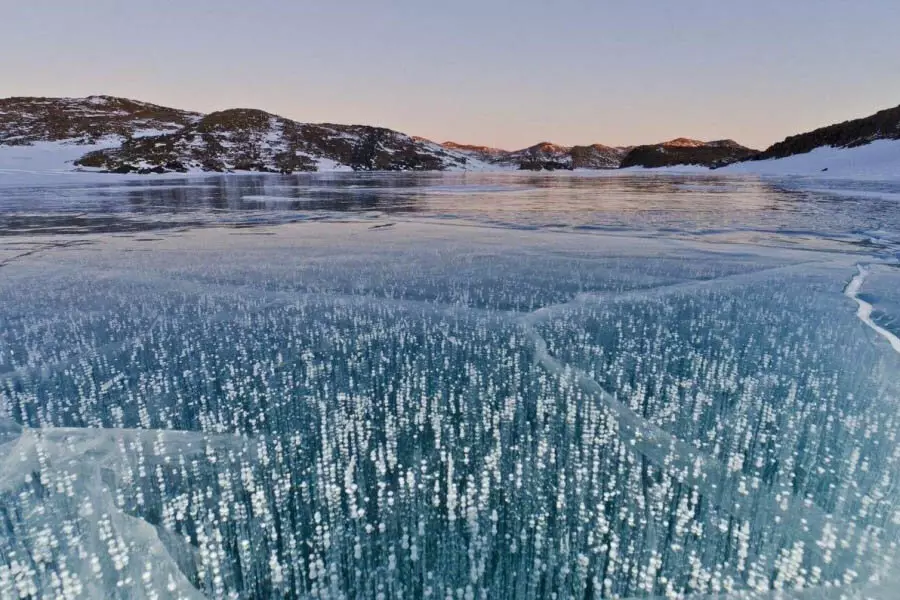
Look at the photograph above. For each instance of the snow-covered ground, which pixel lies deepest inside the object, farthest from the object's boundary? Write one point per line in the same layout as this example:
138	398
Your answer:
48	156
879	159
326	164
58	156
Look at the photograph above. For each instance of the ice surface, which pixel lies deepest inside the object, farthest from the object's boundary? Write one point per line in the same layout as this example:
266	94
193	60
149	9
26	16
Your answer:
50	158
422	403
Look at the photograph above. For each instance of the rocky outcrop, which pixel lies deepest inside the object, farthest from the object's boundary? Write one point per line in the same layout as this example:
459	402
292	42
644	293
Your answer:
685	151
884	124
482	153
543	156
25	121
546	156
597	156
253	140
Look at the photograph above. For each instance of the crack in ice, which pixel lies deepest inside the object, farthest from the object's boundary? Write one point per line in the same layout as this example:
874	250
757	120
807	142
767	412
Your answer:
864	310
683	461
88	452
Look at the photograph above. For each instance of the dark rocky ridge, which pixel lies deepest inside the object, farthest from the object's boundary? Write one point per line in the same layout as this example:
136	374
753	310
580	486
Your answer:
684	151
141	137
597	156
543	156
884	124
547	156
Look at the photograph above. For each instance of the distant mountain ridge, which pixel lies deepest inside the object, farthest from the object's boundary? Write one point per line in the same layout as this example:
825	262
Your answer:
119	135
546	156
110	134
685	151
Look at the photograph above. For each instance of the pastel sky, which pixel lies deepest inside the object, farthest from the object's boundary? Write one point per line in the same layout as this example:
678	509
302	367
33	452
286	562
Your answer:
495	72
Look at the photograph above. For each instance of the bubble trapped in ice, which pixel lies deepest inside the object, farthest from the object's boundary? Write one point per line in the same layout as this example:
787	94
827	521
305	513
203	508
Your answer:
293	417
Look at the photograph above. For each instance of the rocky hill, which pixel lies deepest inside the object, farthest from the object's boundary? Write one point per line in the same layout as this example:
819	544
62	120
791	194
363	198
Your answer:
253	140
110	134
597	156
542	156
884	124
88	121
685	151
546	156
127	136
482	153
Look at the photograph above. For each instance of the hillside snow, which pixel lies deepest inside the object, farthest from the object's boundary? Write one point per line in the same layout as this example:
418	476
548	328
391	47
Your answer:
879	159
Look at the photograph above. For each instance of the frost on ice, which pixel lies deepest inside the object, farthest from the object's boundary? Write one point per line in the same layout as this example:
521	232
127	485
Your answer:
296	418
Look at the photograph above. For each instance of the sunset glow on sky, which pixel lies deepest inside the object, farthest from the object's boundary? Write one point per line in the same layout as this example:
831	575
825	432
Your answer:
499	73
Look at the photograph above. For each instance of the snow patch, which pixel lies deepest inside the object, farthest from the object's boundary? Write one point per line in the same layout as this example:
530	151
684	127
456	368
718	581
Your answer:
879	159
48	156
327	164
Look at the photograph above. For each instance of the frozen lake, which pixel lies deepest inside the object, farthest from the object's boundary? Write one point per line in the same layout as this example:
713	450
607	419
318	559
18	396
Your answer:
452	386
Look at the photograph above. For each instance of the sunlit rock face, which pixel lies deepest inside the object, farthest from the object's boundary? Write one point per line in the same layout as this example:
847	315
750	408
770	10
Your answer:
684	151
334	411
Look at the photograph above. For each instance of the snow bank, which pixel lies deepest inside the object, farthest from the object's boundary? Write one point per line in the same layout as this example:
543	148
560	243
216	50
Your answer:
879	159
326	164
58	156
48	156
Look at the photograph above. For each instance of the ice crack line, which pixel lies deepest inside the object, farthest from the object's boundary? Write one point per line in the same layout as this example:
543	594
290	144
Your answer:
729	491
42	248
592	298
864	312
97	454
